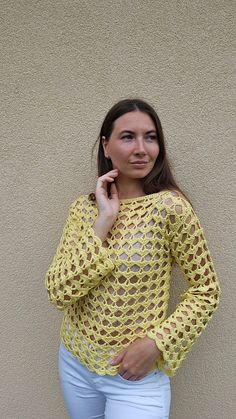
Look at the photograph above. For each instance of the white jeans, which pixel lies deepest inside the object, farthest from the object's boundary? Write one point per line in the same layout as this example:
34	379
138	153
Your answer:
88	395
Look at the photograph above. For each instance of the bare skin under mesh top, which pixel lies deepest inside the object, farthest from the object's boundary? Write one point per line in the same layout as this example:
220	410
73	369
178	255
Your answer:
114	292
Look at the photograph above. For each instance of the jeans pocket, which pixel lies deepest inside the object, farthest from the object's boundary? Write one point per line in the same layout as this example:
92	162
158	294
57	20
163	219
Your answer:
148	375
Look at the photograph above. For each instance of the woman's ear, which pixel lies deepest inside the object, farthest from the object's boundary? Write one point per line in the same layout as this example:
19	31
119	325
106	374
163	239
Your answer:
104	144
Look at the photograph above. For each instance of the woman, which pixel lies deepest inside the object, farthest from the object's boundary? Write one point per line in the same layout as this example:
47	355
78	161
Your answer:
111	276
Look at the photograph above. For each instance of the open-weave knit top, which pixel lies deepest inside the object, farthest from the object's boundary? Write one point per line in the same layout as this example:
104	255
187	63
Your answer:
113	292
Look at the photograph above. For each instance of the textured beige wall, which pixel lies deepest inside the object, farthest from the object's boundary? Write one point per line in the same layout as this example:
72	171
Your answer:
63	64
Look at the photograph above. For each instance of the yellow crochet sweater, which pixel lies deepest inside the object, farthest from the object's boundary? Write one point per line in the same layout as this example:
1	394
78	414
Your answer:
114	292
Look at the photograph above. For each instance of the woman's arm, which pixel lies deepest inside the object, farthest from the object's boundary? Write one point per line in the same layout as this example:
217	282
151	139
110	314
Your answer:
176	335
80	261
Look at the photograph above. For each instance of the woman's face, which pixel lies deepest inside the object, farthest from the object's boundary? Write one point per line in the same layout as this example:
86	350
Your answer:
133	146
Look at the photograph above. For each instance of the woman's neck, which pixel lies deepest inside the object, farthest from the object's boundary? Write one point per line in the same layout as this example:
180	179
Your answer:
128	189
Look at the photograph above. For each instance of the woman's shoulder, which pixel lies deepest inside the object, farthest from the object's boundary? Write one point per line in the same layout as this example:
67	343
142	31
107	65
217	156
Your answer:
83	201
175	202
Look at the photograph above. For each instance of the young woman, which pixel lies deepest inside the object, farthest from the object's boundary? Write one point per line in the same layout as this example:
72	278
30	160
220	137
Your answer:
111	276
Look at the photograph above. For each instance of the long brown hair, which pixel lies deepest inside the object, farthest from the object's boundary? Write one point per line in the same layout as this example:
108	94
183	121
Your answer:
160	177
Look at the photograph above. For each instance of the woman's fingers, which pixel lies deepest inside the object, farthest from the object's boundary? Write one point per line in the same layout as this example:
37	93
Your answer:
119	357
108	177
107	195
108	206
114	192
136	360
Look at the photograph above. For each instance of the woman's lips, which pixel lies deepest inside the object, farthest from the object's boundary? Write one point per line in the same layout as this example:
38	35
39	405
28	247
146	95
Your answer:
139	164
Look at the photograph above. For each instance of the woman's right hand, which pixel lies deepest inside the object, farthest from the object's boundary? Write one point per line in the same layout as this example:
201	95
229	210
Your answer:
108	207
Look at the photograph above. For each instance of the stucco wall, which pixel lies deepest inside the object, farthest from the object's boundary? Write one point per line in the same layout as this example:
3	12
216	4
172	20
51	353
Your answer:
63	64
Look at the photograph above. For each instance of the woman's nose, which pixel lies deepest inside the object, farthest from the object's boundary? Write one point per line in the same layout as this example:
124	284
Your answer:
140	147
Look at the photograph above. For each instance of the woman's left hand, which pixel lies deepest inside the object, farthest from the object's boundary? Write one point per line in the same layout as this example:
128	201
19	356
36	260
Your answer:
137	359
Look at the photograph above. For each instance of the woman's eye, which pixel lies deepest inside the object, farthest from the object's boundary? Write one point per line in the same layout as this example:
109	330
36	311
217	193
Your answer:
152	137
127	137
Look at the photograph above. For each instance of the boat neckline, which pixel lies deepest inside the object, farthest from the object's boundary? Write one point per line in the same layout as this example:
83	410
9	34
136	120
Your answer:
144	197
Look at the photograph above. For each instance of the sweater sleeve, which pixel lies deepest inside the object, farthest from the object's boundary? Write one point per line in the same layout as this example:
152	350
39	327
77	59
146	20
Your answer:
176	335
80	261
